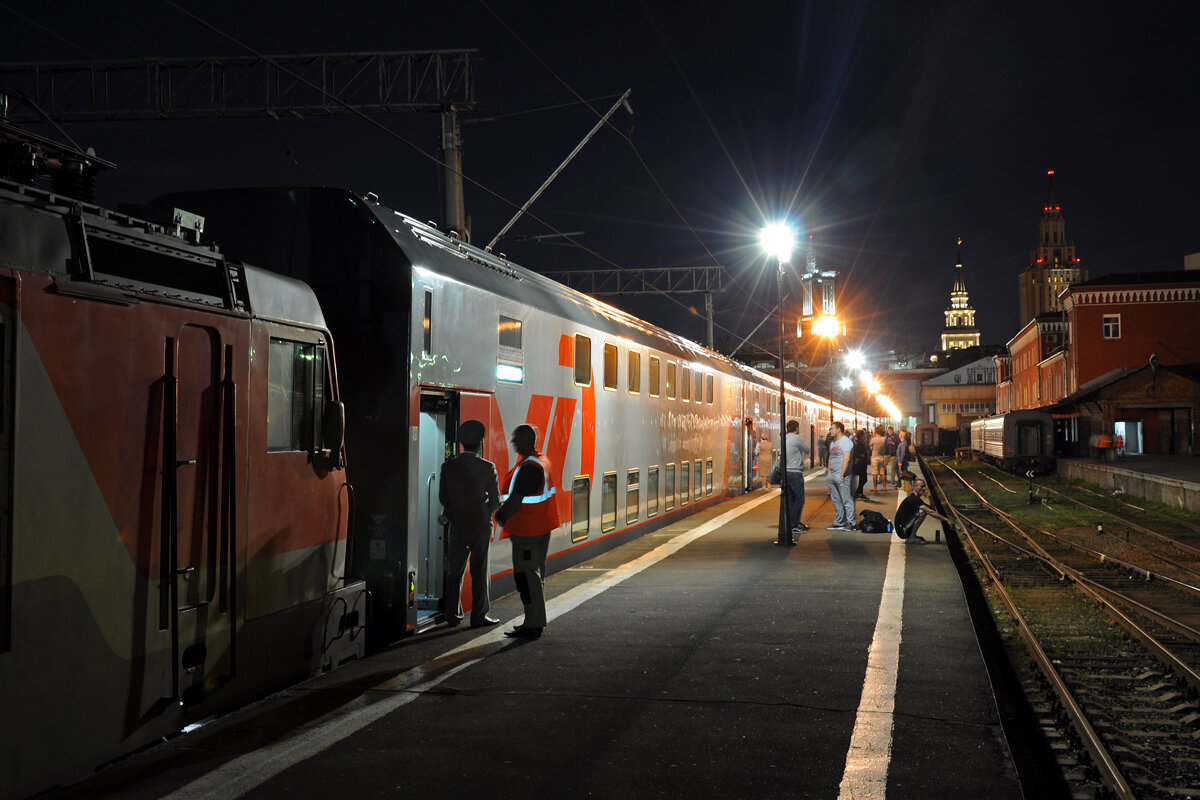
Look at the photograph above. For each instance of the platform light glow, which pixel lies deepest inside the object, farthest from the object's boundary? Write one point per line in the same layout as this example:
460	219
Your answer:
826	325
778	240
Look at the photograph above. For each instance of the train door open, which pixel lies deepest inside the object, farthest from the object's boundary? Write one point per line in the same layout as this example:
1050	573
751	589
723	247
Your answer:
439	419
198	563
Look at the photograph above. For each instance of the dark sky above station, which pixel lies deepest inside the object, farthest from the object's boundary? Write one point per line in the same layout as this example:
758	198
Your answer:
887	130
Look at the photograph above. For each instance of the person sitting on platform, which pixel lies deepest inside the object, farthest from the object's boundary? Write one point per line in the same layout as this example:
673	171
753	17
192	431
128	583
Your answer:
912	513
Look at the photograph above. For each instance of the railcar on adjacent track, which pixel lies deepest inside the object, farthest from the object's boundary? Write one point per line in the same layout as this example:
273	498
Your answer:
1018	440
173	511
641	425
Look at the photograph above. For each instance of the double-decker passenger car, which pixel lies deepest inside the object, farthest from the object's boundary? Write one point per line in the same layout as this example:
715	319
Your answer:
641	425
173	509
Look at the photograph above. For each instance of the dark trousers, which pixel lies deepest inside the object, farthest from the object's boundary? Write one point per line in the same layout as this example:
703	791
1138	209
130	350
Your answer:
464	545
795	485
529	572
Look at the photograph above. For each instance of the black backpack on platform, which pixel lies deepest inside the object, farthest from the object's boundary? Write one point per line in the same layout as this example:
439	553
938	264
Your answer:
874	522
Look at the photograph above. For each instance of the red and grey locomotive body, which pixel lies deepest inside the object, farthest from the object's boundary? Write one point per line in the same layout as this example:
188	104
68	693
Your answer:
173	511
641	424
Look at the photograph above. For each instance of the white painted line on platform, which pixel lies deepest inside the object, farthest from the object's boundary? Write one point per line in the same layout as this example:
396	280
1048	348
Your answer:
242	774
870	751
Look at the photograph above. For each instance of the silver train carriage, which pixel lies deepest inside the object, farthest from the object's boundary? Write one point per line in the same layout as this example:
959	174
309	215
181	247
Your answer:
1017	441
642	425
174	512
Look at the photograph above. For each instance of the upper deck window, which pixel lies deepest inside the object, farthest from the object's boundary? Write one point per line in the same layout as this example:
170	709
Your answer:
583	359
610	366
635	372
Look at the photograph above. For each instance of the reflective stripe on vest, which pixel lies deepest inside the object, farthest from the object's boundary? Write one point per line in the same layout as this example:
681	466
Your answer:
548	491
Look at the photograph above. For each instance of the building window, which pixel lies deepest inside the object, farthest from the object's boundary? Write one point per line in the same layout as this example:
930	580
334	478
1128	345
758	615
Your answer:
295	396
583	359
608	501
610	366
581	511
1111	326
654	368
948	408
652	492
633	495
635	372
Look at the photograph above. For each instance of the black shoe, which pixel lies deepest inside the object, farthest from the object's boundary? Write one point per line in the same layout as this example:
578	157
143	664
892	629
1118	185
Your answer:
451	622
785	543
522	632
486	622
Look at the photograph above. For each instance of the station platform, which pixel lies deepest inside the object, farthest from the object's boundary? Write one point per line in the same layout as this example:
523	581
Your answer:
700	660
1171	480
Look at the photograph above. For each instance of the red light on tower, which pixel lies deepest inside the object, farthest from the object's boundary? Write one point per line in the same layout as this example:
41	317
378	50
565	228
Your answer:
1049	172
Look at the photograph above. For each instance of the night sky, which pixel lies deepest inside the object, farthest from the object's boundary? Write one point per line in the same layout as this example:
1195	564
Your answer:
888	130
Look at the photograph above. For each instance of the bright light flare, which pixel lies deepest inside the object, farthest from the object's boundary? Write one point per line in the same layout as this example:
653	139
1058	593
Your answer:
778	240
892	409
855	360
874	386
846	383
826	326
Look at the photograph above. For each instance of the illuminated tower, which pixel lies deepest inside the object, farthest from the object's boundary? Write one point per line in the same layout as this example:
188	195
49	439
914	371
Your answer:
1052	266
960	331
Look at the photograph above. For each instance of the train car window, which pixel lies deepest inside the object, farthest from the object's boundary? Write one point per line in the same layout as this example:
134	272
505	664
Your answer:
509	331
698	476
671	379
581	510
610	366
708	477
685	383
1111	326
652	492
685	482
583	359
708	389
669	488
427	324
700	387
633	495
654	367
295	396
608	501
635	372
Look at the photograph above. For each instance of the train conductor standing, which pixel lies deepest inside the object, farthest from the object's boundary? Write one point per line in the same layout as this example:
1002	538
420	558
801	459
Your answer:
469	493
529	513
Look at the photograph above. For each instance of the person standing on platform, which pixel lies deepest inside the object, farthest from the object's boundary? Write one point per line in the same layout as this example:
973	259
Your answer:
797	451
903	455
889	453
838	478
861	455
529	514
469	495
766	458
878	458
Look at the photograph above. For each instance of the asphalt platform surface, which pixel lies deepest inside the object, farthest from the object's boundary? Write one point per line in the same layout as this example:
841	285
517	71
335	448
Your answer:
699	661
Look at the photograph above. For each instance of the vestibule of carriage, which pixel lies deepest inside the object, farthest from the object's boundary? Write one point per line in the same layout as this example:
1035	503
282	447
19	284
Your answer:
1150	409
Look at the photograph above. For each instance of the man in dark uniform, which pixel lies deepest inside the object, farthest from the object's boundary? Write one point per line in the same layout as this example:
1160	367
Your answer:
469	493
529	514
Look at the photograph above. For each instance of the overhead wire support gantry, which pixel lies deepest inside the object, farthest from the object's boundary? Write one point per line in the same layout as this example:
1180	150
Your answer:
243	86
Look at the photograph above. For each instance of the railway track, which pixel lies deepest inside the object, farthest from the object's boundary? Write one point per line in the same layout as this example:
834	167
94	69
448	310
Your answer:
1113	627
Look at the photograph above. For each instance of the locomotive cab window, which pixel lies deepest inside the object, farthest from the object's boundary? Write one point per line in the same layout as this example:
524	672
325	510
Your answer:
295	396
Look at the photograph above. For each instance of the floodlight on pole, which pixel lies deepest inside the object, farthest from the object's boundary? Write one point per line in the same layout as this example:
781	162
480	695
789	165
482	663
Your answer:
778	240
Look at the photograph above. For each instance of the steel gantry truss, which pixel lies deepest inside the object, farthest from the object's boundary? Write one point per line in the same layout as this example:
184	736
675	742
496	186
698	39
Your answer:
247	86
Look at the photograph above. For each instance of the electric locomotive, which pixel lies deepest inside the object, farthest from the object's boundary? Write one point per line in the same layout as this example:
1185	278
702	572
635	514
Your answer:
174	513
641	425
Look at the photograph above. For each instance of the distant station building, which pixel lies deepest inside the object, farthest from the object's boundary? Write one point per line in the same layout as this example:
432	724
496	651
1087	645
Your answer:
1053	265
960	331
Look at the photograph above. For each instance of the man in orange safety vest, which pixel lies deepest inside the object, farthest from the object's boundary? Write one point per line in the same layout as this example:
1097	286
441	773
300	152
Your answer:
528	513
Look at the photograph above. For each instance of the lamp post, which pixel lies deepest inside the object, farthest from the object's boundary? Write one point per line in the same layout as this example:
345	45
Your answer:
778	240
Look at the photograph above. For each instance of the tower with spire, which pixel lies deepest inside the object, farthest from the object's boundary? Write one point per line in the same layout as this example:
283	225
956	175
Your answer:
960	331
1052	266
